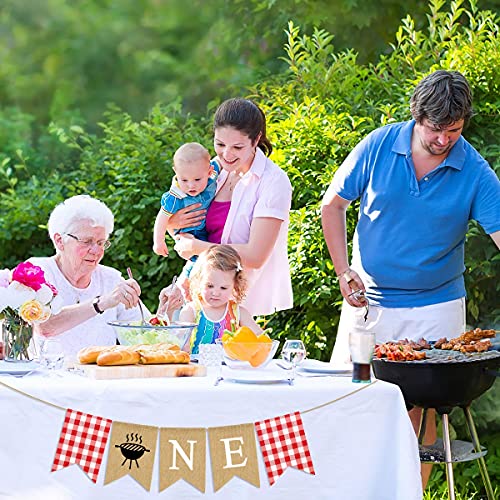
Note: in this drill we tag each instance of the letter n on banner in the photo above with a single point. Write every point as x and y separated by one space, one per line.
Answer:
131 451
183 456
233 452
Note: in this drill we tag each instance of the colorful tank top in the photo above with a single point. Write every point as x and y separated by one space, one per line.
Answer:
208 331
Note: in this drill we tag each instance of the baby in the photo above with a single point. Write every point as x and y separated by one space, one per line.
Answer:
194 182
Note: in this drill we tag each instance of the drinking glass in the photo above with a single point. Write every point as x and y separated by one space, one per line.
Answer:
211 356
293 353
361 345
52 354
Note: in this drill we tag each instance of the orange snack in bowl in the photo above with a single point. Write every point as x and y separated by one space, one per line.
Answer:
262 350
241 344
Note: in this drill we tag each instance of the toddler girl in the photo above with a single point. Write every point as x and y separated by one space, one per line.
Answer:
217 286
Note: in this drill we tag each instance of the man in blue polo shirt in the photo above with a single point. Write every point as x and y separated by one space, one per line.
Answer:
419 184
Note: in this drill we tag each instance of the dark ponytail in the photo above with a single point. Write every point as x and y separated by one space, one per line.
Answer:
246 117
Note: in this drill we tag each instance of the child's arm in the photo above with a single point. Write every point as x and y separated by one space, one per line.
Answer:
187 314
160 229
246 319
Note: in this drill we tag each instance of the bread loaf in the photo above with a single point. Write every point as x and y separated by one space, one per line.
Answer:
89 354
164 357
118 356
163 346
163 353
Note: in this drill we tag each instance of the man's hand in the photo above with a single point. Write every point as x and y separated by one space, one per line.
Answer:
352 288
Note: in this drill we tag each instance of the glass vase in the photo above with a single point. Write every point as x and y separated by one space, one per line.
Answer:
16 337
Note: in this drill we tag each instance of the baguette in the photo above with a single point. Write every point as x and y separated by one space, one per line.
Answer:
118 356
164 357
164 346
89 354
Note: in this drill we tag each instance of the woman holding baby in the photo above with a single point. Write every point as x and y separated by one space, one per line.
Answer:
250 210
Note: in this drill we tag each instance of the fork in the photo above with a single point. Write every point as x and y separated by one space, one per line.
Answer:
130 275
161 315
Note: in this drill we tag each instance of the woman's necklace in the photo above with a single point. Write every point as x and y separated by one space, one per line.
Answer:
233 179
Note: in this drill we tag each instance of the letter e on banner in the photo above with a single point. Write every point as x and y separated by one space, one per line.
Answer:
233 452
183 456
230 452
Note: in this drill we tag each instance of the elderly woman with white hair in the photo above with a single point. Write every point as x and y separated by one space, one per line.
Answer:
92 294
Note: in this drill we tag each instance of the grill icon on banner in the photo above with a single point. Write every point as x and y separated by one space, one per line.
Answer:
132 449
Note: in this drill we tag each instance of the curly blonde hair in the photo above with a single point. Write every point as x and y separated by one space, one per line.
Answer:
222 258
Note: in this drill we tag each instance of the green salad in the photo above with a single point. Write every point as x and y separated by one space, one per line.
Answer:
134 333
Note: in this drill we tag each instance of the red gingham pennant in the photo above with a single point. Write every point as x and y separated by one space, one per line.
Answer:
283 443
82 441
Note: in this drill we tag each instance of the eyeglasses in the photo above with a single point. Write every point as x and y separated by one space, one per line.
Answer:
104 244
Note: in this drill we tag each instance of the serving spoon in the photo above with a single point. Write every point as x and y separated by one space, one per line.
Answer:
143 321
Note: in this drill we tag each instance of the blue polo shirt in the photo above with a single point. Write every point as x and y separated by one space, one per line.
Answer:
409 242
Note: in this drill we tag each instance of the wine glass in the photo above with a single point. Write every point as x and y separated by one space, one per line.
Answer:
52 354
293 353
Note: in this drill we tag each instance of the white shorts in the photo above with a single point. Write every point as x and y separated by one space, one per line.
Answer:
446 319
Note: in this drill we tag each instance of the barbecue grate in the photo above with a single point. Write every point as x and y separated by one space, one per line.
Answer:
435 356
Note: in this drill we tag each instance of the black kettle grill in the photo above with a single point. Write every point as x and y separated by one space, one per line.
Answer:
446 379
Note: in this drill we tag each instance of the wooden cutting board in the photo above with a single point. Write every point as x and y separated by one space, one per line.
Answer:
142 371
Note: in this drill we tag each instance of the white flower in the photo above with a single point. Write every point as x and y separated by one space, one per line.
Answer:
4 278
44 295
19 294
4 298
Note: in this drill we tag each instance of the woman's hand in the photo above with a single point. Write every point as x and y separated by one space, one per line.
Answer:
127 292
184 245
189 216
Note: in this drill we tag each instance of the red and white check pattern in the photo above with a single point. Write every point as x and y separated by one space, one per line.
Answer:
283 443
82 441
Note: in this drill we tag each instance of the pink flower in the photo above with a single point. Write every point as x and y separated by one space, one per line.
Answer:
29 275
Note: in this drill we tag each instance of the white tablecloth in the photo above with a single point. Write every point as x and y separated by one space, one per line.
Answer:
363 447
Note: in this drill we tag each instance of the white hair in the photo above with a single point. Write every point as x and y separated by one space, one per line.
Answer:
77 210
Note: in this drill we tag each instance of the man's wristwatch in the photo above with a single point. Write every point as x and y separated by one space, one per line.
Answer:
347 276
95 303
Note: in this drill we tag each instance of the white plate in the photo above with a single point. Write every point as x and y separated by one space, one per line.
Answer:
255 377
259 381
316 366
9 368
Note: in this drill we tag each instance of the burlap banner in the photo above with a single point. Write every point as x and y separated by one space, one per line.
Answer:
84 437
233 453
183 456
131 451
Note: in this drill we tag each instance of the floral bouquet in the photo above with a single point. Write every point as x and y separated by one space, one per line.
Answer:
26 298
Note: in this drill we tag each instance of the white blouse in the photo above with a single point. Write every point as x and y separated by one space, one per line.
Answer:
94 331
264 191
